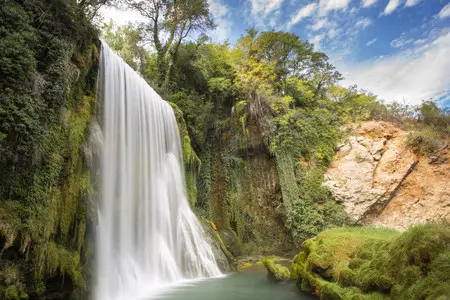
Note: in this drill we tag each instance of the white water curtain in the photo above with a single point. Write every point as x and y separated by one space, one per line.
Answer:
147 234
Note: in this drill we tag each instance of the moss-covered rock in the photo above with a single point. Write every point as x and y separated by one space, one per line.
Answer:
192 162
225 260
50 65
276 272
371 263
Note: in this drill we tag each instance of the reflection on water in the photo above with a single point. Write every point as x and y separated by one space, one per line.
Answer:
249 285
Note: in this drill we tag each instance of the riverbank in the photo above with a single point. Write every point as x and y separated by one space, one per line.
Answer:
374 263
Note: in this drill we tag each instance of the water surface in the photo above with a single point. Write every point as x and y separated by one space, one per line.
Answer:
249 285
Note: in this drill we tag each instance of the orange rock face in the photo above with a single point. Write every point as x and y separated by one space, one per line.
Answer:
381 182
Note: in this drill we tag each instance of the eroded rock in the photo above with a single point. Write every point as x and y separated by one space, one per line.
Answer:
381 182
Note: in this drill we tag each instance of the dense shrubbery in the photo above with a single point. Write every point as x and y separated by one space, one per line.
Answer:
270 90
269 102
424 141
370 263
47 80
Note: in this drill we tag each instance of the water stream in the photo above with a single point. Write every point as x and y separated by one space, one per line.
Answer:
147 235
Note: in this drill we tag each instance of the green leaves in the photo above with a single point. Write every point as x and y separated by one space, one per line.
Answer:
127 42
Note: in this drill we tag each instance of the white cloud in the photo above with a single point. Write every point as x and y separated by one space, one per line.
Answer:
316 40
327 5
410 3
371 42
221 15
419 42
302 13
217 9
265 7
410 75
401 41
354 10
392 5
368 3
363 23
120 17
333 32
445 12
319 24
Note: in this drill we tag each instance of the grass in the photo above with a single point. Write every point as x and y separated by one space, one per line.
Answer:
371 263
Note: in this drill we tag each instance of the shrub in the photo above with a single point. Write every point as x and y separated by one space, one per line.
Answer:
374 263
423 142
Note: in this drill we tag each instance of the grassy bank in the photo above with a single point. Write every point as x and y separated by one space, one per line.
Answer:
370 263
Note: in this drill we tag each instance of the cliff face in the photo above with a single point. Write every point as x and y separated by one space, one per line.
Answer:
246 202
381 182
49 61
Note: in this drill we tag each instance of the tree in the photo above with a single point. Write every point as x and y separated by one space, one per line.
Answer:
323 74
91 7
169 23
126 40
432 115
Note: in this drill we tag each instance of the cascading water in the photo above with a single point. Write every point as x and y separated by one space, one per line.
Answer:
147 235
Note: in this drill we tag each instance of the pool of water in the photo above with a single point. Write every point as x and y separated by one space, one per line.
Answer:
248 285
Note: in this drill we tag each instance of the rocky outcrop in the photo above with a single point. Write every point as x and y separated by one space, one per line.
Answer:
225 260
276 272
381 182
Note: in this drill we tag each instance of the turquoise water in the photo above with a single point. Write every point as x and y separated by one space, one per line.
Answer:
249 285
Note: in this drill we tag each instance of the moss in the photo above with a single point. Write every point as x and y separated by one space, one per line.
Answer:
15 292
43 203
224 248
276 272
370 263
191 161
244 265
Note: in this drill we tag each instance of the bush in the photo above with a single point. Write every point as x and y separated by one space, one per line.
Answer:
424 142
371 263
48 71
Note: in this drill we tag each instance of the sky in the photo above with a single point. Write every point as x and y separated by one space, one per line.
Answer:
396 49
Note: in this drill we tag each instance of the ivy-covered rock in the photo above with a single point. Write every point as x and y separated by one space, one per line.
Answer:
48 71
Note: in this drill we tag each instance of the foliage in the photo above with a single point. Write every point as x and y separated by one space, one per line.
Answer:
191 161
276 272
48 63
433 116
370 263
354 106
423 142
126 41
311 134
174 20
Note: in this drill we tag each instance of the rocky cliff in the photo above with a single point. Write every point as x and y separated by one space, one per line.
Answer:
382 182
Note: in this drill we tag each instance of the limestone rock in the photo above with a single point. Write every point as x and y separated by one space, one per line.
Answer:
381 182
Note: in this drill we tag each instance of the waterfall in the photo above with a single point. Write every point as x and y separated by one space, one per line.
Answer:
147 235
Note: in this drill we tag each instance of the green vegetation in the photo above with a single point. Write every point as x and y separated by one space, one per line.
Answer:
269 104
48 62
191 161
424 141
259 122
276 272
371 263
434 126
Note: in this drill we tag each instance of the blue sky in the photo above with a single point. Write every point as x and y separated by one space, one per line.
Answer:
397 49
